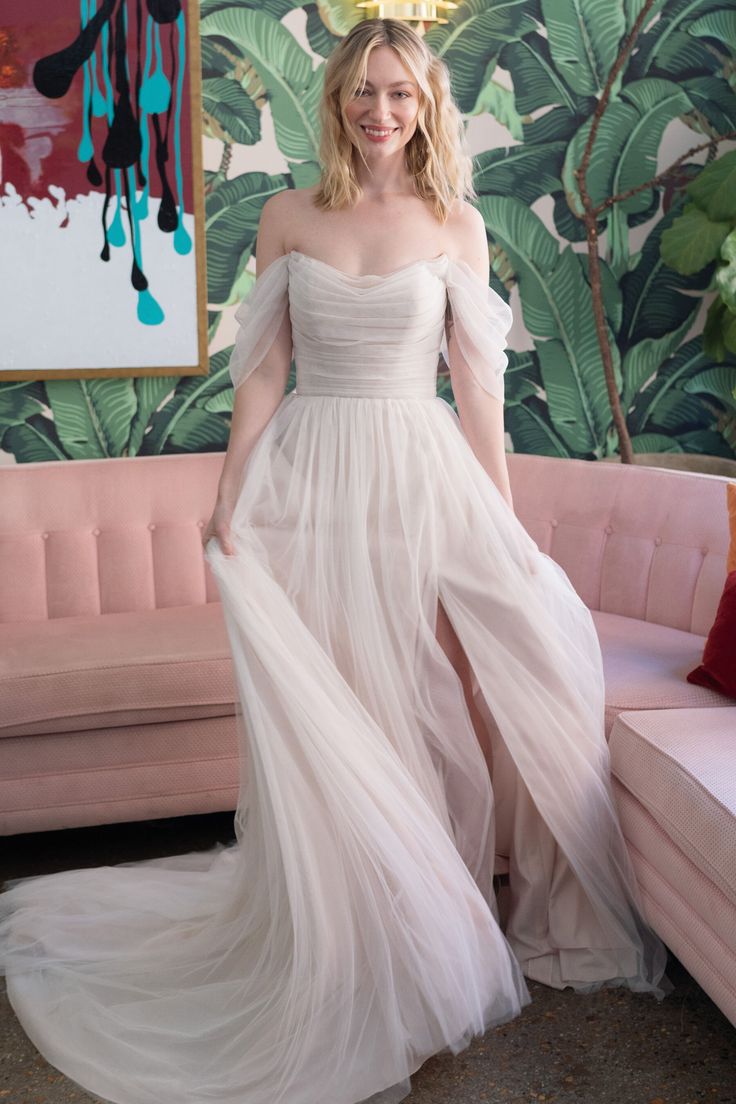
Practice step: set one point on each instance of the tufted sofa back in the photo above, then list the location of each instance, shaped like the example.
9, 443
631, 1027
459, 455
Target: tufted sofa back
83, 537
643, 542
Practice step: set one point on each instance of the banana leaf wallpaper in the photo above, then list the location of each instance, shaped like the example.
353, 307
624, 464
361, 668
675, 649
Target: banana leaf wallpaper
642, 91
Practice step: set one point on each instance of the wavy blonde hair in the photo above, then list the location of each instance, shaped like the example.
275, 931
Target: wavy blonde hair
436, 154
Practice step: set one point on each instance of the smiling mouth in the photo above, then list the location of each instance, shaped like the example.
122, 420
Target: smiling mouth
378, 132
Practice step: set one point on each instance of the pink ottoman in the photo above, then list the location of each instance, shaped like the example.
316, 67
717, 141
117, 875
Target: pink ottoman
674, 778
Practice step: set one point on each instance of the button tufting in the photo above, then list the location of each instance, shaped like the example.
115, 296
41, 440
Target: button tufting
152, 525
554, 523
96, 532
200, 524
609, 528
45, 536
657, 540
704, 551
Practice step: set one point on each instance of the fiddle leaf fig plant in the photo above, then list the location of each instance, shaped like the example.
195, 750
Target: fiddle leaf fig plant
706, 232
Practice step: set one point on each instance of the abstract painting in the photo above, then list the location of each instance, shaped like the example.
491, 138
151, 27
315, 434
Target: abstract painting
101, 189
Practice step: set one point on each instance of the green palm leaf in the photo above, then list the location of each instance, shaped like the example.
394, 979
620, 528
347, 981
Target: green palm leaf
233, 211
584, 37
536, 80
664, 36
720, 382
525, 171
472, 38
530, 430
173, 422
719, 25
33, 441
285, 70
92, 416
229, 112
654, 442
556, 304
150, 391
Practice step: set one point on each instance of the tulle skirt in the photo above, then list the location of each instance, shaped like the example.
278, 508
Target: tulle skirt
352, 929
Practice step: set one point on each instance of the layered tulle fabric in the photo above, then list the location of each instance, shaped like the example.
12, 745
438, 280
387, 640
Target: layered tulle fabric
480, 317
352, 930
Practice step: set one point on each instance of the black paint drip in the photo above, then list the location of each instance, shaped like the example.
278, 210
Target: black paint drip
53, 75
123, 146
164, 11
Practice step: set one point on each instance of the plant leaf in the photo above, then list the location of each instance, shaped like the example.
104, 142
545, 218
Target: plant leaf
229, 112
92, 416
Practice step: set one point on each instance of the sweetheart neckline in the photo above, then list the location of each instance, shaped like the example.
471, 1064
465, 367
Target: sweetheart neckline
370, 275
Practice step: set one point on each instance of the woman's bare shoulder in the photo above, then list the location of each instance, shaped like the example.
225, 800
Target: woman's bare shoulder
465, 231
464, 220
285, 212
289, 200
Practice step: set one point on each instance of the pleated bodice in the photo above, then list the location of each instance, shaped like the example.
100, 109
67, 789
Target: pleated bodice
367, 335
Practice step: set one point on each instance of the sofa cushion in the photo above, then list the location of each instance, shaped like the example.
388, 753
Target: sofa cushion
72, 673
680, 765
645, 666
691, 914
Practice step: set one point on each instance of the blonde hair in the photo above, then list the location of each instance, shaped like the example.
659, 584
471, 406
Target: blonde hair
436, 154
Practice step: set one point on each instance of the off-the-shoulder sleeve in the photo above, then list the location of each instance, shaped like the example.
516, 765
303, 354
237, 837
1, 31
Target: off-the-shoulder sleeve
481, 319
259, 318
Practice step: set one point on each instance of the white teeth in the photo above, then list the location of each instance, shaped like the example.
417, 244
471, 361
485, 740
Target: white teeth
378, 133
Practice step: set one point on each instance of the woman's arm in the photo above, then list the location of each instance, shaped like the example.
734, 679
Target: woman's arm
258, 396
481, 414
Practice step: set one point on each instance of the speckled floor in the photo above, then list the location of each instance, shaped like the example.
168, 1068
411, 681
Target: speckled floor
612, 1047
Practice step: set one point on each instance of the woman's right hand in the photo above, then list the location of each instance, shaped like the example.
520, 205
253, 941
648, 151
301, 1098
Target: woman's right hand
219, 527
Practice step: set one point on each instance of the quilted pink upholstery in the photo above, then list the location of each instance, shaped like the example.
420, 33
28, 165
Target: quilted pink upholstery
641, 542
125, 772
151, 666
680, 764
674, 774
645, 666
84, 537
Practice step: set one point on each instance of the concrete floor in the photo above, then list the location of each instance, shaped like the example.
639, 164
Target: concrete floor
611, 1047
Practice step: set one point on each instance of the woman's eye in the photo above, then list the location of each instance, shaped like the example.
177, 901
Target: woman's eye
402, 93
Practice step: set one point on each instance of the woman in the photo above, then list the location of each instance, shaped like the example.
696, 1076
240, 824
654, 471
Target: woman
390, 621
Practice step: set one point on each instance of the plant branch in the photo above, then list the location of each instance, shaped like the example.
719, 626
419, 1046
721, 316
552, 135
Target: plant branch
591, 232
661, 177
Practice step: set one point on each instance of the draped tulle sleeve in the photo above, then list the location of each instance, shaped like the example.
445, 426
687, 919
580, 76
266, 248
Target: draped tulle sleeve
480, 321
259, 318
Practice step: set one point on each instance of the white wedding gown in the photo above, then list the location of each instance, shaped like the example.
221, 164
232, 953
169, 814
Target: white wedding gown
352, 930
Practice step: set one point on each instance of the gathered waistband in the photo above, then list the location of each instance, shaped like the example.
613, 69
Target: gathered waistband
399, 383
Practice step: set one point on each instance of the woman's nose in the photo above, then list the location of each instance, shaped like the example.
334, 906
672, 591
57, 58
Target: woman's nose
380, 107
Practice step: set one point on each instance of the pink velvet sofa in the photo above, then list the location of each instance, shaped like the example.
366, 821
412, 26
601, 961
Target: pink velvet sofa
116, 686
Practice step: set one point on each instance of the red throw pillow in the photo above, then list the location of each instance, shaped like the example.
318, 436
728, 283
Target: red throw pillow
718, 668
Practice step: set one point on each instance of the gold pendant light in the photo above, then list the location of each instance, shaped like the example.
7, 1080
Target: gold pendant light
422, 14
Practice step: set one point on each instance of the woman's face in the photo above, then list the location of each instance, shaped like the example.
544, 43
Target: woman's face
384, 112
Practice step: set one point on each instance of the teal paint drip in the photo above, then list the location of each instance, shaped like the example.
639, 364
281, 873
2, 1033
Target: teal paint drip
156, 91
142, 204
149, 310
182, 240
116, 232
99, 108
85, 149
